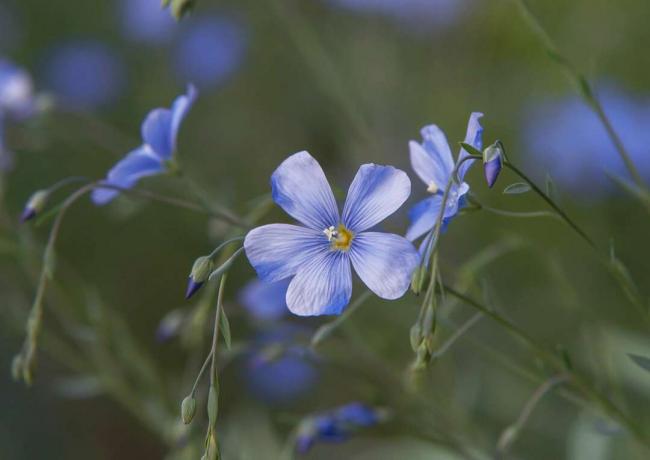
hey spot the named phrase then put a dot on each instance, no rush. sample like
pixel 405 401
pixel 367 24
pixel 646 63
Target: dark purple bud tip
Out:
pixel 492 169
pixel 192 287
pixel 28 214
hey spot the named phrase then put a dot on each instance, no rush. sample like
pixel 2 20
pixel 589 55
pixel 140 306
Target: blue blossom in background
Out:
pixel 337 425
pixel 565 138
pixel 17 102
pixel 265 301
pixel 318 255
pixel 85 74
pixel 278 370
pixel 210 49
pixel 433 163
pixel 159 135
pixel 145 21
pixel 416 13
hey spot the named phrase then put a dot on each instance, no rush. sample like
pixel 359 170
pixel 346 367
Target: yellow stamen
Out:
pixel 341 238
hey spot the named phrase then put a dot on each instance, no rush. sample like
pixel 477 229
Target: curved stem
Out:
pixel 326 329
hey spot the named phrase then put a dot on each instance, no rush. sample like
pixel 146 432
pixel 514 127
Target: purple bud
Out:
pixel 35 205
pixel 492 162
pixel 192 287
pixel 27 214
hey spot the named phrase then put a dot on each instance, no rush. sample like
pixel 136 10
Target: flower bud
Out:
pixel 418 278
pixel 213 406
pixel 492 162
pixel 188 409
pixel 201 270
pixel 181 7
pixel 35 205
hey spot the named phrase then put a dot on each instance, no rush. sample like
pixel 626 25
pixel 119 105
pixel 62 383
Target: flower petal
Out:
pixel 423 216
pixel 375 193
pixel 180 107
pixel 322 286
pixel 432 161
pixel 301 189
pixel 141 162
pixel 473 137
pixel 156 130
pixel 384 262
pixel 276 251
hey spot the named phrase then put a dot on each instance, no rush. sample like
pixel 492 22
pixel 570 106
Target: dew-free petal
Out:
pixel 276 251
pixel 139 163
pixel 375 193
pixel 156 132
pixel 384 262
pixel 435 144
pixel 423 216
pixel 301 189
pixel 322 286
pixel 179 110
pixel 473 137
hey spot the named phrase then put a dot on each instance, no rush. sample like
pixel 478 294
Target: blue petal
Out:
pixel 265 301
pixel 180 107
pixel 423 216
pixel 276 251
pixel 156 130
pixel 301 189
pixel 322 286
pixel 384 262
pixel 473 137
pixel 432 161
pixel 137 164
pixel 375 193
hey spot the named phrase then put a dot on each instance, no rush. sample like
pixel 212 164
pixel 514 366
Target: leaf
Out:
pixel 470 149
pixel 641 361
pixel 225 328
pixel 516 188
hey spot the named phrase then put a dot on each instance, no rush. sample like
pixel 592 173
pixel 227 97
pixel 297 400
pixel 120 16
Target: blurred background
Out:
pixel 352 81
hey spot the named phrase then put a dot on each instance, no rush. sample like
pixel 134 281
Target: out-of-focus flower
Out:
pixel 278 370
pixel 337 425
pixel 171 324
pixel 565 138
pixel 433 163
pixel 318 255
pixel 17 102
pixel 265 301
pixel 85 74
pixel 210 49
pixel 418 14
pixel 154 156
pixel 145 21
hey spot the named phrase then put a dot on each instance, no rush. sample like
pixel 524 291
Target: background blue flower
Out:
pixel 210 49
pixel 565 138
pixel 265 301
pixel 318 255
pixel 146 21
pixel 85 74
pixel 159 135
pixel 278 370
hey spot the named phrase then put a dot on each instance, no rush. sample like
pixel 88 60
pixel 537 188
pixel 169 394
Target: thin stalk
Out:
pixel 326 329
pixel 583 85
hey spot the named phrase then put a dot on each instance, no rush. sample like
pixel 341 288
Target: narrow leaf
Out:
pixel 470 149
pixel 516 188
pixel 641 361
pixel 225 328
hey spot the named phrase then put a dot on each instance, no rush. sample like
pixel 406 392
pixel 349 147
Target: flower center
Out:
pixel 340 238
pixel 432 188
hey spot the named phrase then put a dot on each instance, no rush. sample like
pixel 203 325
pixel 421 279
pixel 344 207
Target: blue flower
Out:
pixel 85 74
pixel 279 370
pixel 337 425
pixel 318 254
pixel 17 102
pixel 265 301
pixel 433 163
pixel 145 21
pixel 565 138
pixel 210 49
pixel 159 135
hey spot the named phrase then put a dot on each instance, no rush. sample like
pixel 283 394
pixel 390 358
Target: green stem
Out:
pixel 583 85
pixel 327 329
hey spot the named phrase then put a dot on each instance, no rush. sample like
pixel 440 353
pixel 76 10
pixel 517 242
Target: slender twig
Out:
pixel 326 329
pixel 456 335
pixel 583 85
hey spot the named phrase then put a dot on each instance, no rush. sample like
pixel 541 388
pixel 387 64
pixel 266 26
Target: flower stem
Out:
pixel 327 329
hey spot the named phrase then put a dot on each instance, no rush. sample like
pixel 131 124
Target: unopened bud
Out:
pixel 188 409
pixel 418 278
pixel 492 162
pixel 35 204
pixel 201 270
pixel 181 7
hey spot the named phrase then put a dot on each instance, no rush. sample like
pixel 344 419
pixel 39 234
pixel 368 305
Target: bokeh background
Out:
pixel 352 81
